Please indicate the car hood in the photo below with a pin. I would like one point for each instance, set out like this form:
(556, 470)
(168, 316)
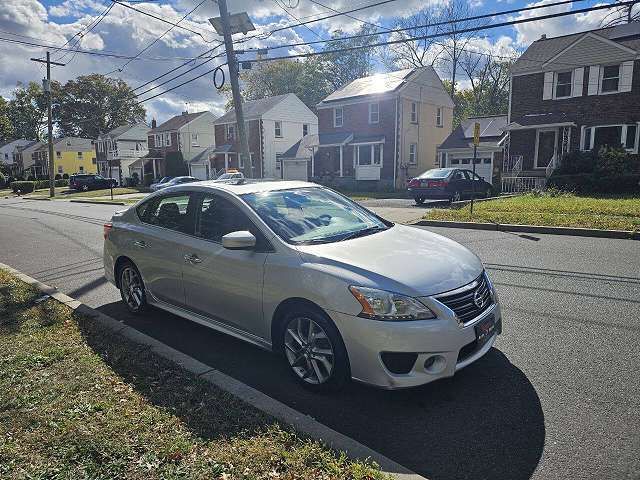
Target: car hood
(403, 259)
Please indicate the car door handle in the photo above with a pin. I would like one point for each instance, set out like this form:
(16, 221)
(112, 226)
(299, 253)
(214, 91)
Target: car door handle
(140, 244)
(192, 258)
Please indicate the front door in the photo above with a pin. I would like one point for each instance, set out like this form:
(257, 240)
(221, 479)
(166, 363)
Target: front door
(546, 147)
(157, 245)
(225, 285)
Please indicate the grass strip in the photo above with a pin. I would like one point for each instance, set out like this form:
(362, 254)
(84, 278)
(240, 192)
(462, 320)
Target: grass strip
(78, 401)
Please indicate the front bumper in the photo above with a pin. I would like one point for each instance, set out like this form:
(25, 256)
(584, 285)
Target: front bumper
(366, 340)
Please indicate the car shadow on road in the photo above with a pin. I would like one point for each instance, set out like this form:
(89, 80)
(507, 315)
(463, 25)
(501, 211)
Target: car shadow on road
(486, 422)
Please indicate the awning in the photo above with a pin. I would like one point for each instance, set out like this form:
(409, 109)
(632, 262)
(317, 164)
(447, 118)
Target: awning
(540, 120)
(367, 139)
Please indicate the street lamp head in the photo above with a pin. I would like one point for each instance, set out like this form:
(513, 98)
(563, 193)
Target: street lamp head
(238, 23)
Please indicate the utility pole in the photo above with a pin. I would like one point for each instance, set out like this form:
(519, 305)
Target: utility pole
(46, 86)
(241, 23)
(476, 142)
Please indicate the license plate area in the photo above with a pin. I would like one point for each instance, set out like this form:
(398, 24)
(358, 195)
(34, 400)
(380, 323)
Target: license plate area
(485, 329)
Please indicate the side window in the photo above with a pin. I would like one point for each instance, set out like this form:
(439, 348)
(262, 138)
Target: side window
(467, 174)
(458, 175)
(219, 216)
(174, 212)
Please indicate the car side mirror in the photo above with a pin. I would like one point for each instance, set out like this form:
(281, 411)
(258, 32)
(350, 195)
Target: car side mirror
(241, 240)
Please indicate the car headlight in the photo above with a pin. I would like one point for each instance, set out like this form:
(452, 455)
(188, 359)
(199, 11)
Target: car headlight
(383, 305)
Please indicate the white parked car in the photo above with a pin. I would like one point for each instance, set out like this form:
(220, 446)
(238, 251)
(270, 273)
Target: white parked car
(304, 271)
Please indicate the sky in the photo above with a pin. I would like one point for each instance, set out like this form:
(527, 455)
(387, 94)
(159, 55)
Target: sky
(123, 31)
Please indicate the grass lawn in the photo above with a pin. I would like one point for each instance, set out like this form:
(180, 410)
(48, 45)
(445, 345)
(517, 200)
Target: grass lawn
(565, 210)
(102, 193)
(78, 401)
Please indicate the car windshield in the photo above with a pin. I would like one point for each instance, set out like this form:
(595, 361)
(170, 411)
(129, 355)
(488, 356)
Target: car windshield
(313, 215)
(227, 176)
(164, 179)
(436, 173)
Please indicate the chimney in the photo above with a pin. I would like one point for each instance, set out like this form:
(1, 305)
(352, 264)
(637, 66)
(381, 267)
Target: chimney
(185, 113)
(153, 123)
(543, 36)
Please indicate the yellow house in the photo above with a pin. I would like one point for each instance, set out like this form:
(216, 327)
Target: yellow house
(70, 155)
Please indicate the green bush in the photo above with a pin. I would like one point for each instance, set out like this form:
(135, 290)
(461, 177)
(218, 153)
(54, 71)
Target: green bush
(148, 179)
(614, 162)
(577, 162)
(595, 183)
(23, 187)
(65, 176)
(3, 180)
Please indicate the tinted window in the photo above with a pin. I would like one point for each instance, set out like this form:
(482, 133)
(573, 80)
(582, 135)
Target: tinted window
(458, 175)
(467, 174)
(436, 173)
(174, 212)
(219, 216)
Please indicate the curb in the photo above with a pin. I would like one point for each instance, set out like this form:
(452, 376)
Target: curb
(463, 203)
(96, 202)
(36, 198)
(299, 421)
(505, 227)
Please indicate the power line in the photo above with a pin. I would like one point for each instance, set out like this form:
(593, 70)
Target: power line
(157, 39)
(119, 2)
(297, 19)
(183, 83)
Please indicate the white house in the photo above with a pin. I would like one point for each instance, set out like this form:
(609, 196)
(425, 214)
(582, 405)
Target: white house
(120, 148)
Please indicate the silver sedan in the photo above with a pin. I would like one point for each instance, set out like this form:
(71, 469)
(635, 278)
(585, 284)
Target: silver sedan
(304, 271)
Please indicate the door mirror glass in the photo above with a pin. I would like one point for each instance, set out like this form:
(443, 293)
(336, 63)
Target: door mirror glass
(240, 240)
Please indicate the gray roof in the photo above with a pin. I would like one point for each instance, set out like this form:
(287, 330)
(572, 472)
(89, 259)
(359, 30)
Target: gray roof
(368, 139)
(545, 49)
(116, 132)
(302, 148)
(28, 145)
(176, 122)
(535, 119)
(252, 109)
(203, 155)
(374, 84)
(491, 130)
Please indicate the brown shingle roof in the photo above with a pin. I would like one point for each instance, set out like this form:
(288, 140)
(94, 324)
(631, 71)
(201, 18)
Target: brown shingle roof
(176, 122)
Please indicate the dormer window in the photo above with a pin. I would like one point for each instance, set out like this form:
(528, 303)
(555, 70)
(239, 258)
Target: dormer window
(563, 84)
(610, 78)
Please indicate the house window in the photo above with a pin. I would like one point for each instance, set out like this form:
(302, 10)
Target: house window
(194, 140)
(58, 155)
(563, 84)
(94, 161)
(370, 154)
(167, 139)
(81, 169)
(414, 112)
(80, 155)
(630, 141)
(60, 169)
(613, 136)
(278, 129)
(157, 140)
(305, 129)
(587, 139)
(231, 132)
(337, 117)
(439, 117)
(374, 112)
(413, 153)
(610, 78)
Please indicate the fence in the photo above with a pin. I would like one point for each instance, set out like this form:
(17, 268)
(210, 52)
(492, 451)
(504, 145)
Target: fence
(522, 184)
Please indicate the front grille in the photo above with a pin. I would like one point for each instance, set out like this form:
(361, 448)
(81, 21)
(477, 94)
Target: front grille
(461, 301)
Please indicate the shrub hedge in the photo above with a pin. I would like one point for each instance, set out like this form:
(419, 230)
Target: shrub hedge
(31, 185)
(594, 183)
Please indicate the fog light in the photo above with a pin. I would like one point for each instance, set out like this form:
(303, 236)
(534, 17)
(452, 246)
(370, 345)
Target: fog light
(435, 364)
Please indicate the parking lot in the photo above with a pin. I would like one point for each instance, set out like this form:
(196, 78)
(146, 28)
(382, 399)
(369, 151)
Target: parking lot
(557, 397)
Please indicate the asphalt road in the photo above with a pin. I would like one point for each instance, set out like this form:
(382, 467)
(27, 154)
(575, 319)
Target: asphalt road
(558, 396)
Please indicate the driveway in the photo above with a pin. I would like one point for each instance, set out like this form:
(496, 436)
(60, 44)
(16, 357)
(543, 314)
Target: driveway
(557, 397)
(400, 210)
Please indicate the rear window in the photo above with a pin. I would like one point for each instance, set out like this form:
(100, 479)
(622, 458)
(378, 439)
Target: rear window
(436, 173)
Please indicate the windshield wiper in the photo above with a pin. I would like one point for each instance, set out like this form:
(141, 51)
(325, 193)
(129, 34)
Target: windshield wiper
(362, 233)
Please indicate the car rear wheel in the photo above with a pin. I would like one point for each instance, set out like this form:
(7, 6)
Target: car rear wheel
(132, 288)
(314, 350)
(419, 200)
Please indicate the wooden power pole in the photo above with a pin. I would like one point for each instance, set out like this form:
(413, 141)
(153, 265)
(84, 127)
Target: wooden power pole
(46, 84)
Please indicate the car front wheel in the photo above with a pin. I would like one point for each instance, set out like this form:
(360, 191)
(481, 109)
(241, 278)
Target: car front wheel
(85, 188)
(314, 350)
(132, 288)
(456, 197)
(419, 200)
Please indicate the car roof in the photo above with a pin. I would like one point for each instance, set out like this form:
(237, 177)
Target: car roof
(246, 186)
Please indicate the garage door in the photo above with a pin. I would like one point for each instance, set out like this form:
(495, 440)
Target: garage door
(295, 170)
(199, 171)
(484, 167)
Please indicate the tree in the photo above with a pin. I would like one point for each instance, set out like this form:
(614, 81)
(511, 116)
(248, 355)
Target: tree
(489, 78)
(6, 128)
(94, 103)
(27, 110)
(621, 15)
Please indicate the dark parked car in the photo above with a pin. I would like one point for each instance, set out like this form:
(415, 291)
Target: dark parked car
(451, 184)
(87, 182)
(173, 181)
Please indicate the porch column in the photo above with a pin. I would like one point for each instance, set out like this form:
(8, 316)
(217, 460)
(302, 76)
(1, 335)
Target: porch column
(141, 180)
(154, 169)
(226, 162)
(341, 169)
(313, 158)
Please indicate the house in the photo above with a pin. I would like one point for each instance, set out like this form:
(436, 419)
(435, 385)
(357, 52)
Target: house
(382, 129)
(119, 148)
(187, 133)
(574, 92)
(70, 155)
(24, 158)
(457, 148)
(7, 151)
(273, 125)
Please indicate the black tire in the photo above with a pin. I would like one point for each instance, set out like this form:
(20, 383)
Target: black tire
(339, 374)
(419, 200)
(85, 188)
(455, 197)
(129, 298)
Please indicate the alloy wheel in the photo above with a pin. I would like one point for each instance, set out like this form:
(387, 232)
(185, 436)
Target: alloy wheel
(309, 350)
(456, 196)
(132, 288)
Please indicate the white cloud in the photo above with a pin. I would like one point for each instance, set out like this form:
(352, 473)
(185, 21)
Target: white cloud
(554, 27)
